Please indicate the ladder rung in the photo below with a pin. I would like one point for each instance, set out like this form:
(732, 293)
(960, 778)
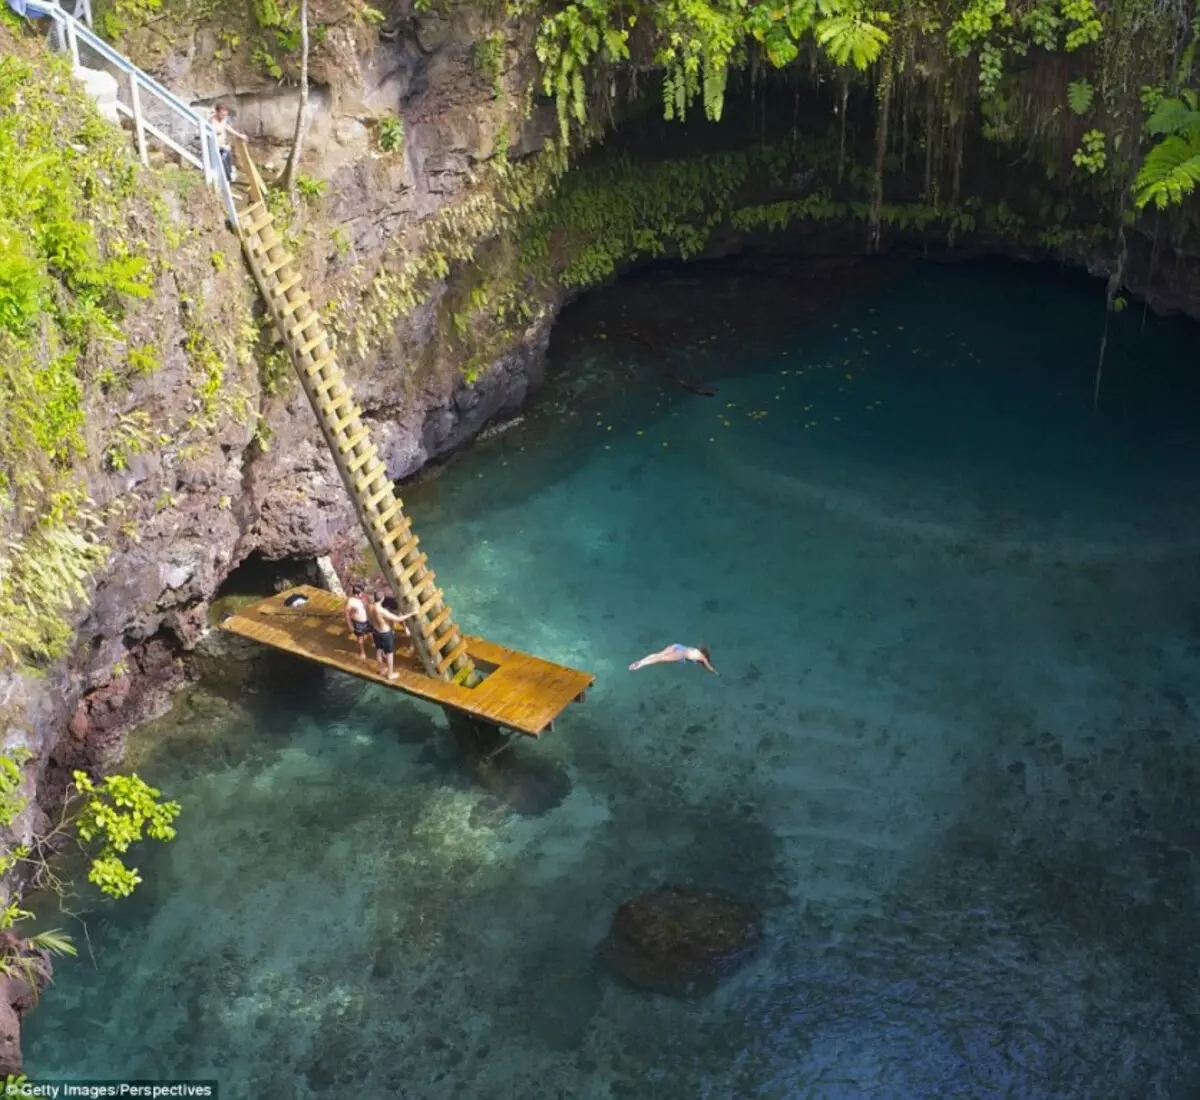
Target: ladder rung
(407, 548)
(446, 638)
(313, 369)
(406, 575)
(341, 423)
(372, 502)
(383, 517)
(452, 656)
(434, 596)
(278, 265)
(352, 443)
(430, 627)
(257, 227)
(286, 284)
(301, 299)
(369, 476)
(323, 387)
(464, 673)
(446, 642)
(359, 461)
(304, 349)
(305, 324)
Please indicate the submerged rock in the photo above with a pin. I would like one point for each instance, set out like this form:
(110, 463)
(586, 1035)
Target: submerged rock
(681, 942)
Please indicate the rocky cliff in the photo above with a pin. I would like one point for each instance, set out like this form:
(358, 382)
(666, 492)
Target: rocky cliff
(211, 454)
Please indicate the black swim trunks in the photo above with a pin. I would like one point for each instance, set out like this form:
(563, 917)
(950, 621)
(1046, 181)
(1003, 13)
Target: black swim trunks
(385, 641)
(361, 630)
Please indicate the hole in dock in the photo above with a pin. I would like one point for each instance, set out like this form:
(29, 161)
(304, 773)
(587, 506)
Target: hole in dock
(484, 668)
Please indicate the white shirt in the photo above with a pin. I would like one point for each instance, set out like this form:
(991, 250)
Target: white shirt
(220, 127)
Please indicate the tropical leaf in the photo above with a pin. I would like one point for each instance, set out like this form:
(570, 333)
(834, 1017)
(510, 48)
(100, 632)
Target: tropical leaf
(1169, 173)
(1079, 96)
(1176, 116)
(849, 39)
(56, 942)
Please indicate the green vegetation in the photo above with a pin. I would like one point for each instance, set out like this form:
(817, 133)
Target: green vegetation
(489, 60)
(391, 134)
(66, 273)
(119, 812)
(102, 821)
(83, 239)
(1171, 169)
(253, 36)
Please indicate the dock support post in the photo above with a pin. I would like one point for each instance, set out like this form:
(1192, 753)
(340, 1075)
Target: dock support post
(479, 741)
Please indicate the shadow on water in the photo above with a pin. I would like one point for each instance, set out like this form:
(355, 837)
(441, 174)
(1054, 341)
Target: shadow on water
(269, 695)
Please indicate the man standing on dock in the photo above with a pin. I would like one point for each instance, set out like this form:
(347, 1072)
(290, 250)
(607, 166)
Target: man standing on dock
(383, 628)
(356, 618)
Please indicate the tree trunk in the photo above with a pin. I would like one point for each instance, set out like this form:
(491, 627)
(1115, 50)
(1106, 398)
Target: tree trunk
(289, 172)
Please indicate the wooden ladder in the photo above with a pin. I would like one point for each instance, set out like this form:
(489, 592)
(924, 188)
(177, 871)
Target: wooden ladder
(440, 645)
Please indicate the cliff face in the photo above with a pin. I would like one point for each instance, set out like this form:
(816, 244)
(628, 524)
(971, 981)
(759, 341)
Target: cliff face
(254, 476)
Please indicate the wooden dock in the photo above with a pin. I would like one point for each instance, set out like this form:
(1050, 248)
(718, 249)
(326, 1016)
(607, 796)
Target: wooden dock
(518, 692)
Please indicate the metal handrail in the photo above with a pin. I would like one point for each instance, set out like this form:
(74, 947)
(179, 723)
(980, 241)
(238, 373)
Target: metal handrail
(69, 32)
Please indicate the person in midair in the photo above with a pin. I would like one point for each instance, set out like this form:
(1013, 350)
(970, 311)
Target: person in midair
(383, 630)
(356, 618)
(675, 653)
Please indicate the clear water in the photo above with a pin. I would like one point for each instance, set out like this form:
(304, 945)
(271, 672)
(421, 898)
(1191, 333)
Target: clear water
(952, 753)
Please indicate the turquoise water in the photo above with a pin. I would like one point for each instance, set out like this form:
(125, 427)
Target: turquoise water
(952, 752)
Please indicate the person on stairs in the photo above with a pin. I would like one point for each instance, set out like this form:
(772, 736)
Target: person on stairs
(675, 653)
(356, 618)
(383, 628)
(222, 129)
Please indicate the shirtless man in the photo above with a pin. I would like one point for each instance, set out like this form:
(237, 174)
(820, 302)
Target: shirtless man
(356, 618)
(383, 629)
(675, 653)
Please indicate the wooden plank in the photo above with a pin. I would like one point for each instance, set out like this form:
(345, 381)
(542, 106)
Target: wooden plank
(259, 225)
(303, 325)
(524, 693)
(411, 569)
(285, 285)
(353, 465)
(452, 656)
(373, 500)
(270, 269)
(424, 608)
(359, 436)
(427, 631)
(305, 349)
(313, 369)
(301, 299)
(383, 518)
(341, 423)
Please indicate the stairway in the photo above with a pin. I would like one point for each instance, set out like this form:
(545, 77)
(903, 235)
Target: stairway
(440, 645)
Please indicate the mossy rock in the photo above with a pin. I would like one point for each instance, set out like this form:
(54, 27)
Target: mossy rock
(682, 942)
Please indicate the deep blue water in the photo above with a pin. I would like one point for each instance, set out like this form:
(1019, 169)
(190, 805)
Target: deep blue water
(952, 753)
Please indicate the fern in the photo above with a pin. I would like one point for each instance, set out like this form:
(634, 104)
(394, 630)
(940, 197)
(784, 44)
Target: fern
(1176, 116)
(1080, 94)
(1169, 173)
(1171, 169)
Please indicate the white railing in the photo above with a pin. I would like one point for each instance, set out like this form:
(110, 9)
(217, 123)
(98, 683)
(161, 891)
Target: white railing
(192, 138)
